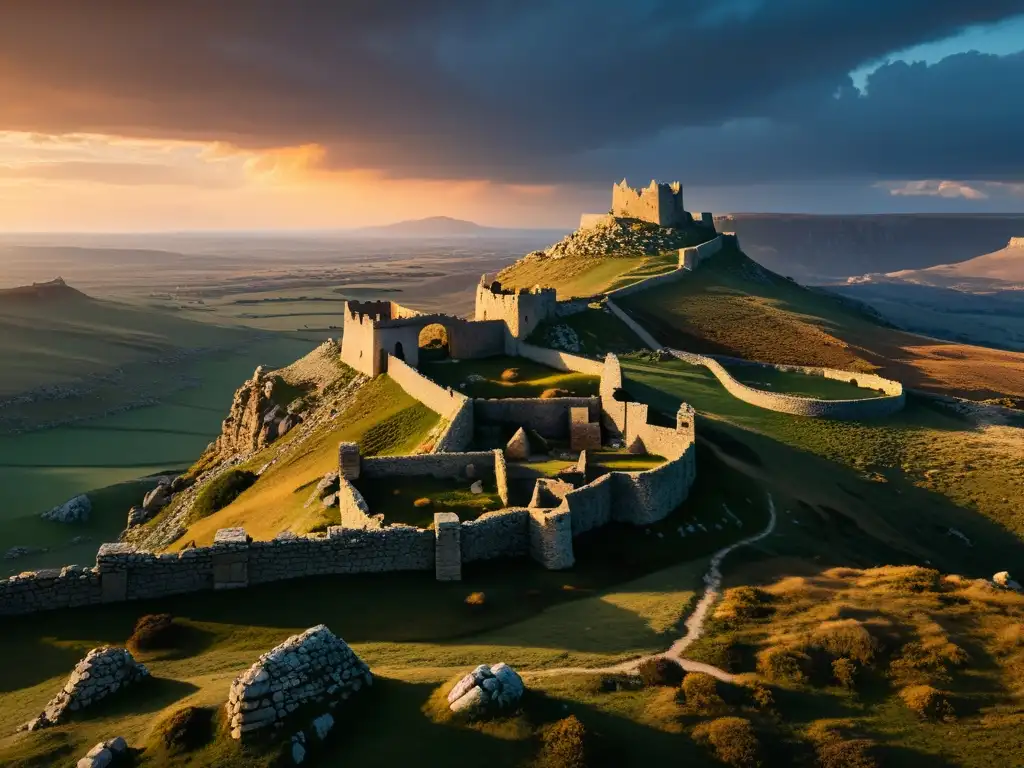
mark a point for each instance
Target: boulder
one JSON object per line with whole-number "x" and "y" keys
{"x": 158, "y": 498}
{"x": 15, "y": 552}
{"x": 477, "y": 487}
{"x": 74, "y": 510}
{"x": 322, "y": 725}
{"x": 1002, "y": 579}
{"x": 487, "y": 690}
{"x": 138, "y": 516}
{"x": 518, "y": 448}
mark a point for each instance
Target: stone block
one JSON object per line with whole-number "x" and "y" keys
{"x": 348, "y": 460}
{"x": 447, "y": 547}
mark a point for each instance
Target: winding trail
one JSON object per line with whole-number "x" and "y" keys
{"x": 694, "y": 624}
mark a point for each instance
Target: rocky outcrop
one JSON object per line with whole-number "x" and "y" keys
{"x": 314, "y": 667}
{"x": 106, "y": 754}
{"x": 487, "y": 690}
{"x": 326, "y": 489}
{"x": 74, "y": 510}
{"x": 616, "y": 237}
{"x": 1002, "y": 579}
{"x": 102, "y": 672}
{"x": 244, "y": 430}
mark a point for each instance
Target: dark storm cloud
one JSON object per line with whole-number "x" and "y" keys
{"x": 529, "y": 90}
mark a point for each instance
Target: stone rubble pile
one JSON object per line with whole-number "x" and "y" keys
{"x": 102, "y": 672}
{"x": 107, "y": 753}
{"x": 313, "y": 667}
{"x": 616, "y": 237}
{"x": 487, "y": 689}
{"x": 326, "y": 491}
{"x": 74, "y": 510}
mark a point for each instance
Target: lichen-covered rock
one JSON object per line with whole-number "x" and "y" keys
{"x": 158, "y": 498}
{"x": 74, "y": 510}
{"x": 486, "y": 690}
{"x": 107, "y": 753}
{"x": 102, "y": 672}
{"x": 315, "y": 666}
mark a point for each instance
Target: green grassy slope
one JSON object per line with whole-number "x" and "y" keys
{"x": 532, "y": 379}
{"x": 382, "y": 418}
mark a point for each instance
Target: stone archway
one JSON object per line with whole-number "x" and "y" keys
{"x": 399, "y": 352}
{"x": 434, "y": 343}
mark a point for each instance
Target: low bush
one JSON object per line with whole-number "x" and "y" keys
{"x": 184, "y": 730}
{"x": 222, "y": 491}
{"x": 422, "y": 502}
{"x": 845, "y": 673}
{"x": 927, "y": 702}
{"x": 563, "y": 745}
{"x": 154, "y": 631}
{"x": 854, "y": 753}
{"x": 745, "y": 603}
{"x": 921, "y": 662}
{"x": 476, "y": 599}
{"x": 732, "y": 739}
{"x": 762, "y": 695}
{"x": 661, "y": 671}
{"x": 548, "y": 394}
{"x": 701, "y": 691}
{"x": 510, "y": 374}
{"x": 781, "y": 663}
{"x": 846, "y": 637}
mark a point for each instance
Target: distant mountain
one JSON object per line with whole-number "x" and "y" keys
{"x": 1000, "y": 269}
{"x": 432, "y": 226}
{"x": 822, "y": 249}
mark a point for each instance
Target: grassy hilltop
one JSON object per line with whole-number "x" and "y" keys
{"x": 862, "y": 632}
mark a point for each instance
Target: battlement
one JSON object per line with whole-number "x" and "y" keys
{"x": 660, "y": 204}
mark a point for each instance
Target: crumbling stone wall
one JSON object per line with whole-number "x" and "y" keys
{"x": 521, "y": 311}
{"x": 561, "y": 361}
{"x": 353, "y": 509}
{"x": 103, "y": 671}
{"x": 501, "y": 475}
{"x": 439, "y": 465}
{"x": 591, "y": 505}
{"x": 503, "y": 533}
{"x": 645, "y": 497}
{"x": 660, "y": 204}
{"x": 693, "y": 257}
{"x": 548, "y": 417}
{"x": 447, "y": 547}
{"x": 313, "y": 667}
{"x": 44, "y": 590}
{"x": 453, "y": 406}
{"x": 551, "y": 538}
{"x": 849, "y": 410}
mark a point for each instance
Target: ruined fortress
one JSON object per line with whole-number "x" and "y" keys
{"x": 658, "y": 203}
{"x": 383, "y": 337}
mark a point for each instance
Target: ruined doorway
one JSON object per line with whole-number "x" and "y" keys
{"x": 399, "y": 352}
{"x": 434, "y": 343}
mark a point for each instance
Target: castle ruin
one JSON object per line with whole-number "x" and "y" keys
{"x": 658, "y": 203}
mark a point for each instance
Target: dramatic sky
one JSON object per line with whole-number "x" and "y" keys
{"x": 195, "y": 114}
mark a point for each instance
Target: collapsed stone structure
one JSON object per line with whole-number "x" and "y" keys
{"x": 103, "y": 671}
{"x": 315, "y": 667}
{"x": 107, "y": 754}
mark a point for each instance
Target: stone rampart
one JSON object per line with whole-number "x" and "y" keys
{"x": 313, "y": 667}
{"x": 353, "y": 509}
{"x": 561, "y": 361}
{"x": 503, "y": 533}
{"x": 590, "y": 506}
{"x": 551, "y": 538}
{"x": 645, "y": 497}
{"x": 453, "y": 406}
{"x": 44, "y": 590}
{"x": 845, "y": 410}
{"x": 439, "y": 465}
{"x": 548, "y": 417}
{"x": 693, "y": 257}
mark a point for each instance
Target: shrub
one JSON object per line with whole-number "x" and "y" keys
{"x": 422, "y": 502}
{"x": 563, "y": 745}
{"x": 846, "y": 637}
{"x": 855, "y": 753}
{"x": 661, "y": 671}
{"x": 762, "y": 695}
{"x": 153, "y": 632}
{"x": 919, "y": 662}
{"x": 510, "y": 374}
{"x": 185, "y": 730}
{"x": 701, "y": 691}
{"x": 927, "y": 702}
{"x": 732, "y": 739}
{"x": 845, "y": 672}
{"x": 476, "y": 599}
{"x": 745, "y": 603}
{"x": 783, "y": 664}
{"x": 222, "y": 491}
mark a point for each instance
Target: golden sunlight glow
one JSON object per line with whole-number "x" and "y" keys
{"x": 90, "y": 182}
